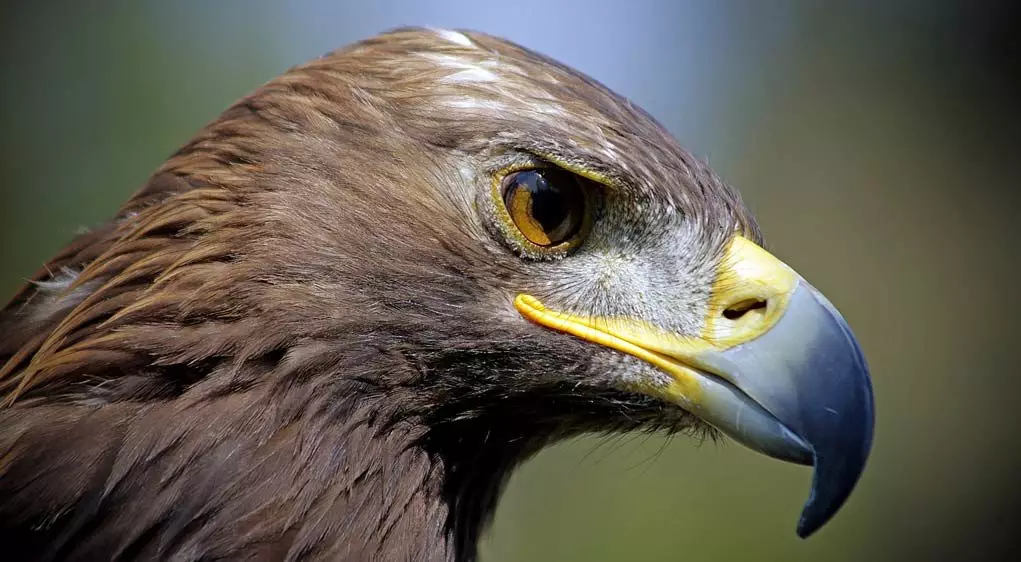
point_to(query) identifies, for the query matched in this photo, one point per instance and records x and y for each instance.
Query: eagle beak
(776, 368)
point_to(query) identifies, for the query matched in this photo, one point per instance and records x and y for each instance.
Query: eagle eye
(548, 206)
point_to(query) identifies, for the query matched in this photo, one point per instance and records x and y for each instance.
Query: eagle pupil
(546, 205)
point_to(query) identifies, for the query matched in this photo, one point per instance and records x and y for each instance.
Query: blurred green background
(876, 142)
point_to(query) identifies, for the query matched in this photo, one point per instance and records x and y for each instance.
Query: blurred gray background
(876, 142)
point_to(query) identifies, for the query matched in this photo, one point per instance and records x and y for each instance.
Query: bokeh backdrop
(876, 142)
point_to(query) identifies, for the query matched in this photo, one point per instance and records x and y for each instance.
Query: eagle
(332, 324)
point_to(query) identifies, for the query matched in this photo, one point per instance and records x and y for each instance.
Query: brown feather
(294, 341)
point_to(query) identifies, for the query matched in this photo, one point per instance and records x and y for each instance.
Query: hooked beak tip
(840, 425)
(807, 378)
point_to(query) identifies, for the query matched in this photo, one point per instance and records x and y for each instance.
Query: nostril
(738, 310)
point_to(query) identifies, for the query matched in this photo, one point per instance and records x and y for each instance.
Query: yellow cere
(747, 273)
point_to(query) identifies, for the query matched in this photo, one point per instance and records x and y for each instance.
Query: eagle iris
(547, 206)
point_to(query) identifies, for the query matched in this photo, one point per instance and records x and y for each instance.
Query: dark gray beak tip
(831, 486)
(840, 431)
(832, 483)
(836, 475)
